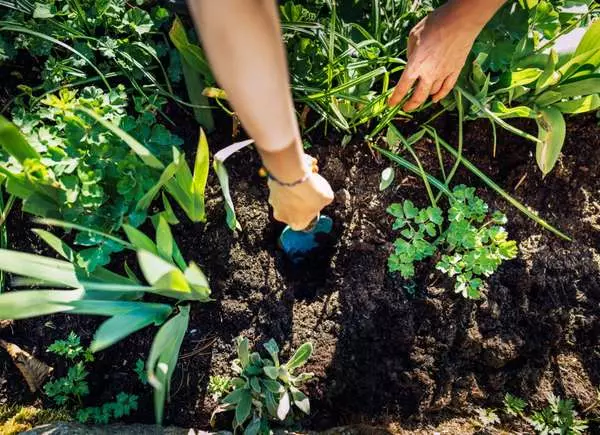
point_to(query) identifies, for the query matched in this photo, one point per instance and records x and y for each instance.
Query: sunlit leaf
(163, 357)
(552, 132)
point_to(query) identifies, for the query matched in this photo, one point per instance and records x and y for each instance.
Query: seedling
(472, 242)
(219, 386)
(264, 389)
(72, 388)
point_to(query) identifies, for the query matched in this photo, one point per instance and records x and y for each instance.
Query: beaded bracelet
(263, 172)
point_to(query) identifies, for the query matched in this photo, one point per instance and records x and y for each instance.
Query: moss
(16, 419)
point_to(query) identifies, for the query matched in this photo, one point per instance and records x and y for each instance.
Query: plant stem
(459, 106)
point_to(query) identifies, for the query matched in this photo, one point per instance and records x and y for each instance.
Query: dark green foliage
(472, 243)
(122, 407)
(70, 388)
(97, 179)
(71, 348)
(140, 371)
(111, 34)
(558, 417)
(514, 405)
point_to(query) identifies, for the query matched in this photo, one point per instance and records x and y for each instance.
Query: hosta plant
(264, 389)
(67, 287)
(472, 243)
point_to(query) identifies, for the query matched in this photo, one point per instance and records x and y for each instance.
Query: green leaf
(14, 143)
(272, 386)
(163, 358)
(552, 132)
(169, 214)
(550, 76)
(590, 40)
(513, 79)
(57, 244)
(254, 427)
(271, 371)
(254, 384)
(243, 351)
(393, 137)
(16, 305)
(243, 408)
(164, 239)
(300, 400)
(271, 404)
(139, 240)
(192, 54)
(273, 349)
(199, 283)
(300, 357)
(119, 327)
(38, 267)
(235, 396)
(200, 177)
(138, 20)
(504, 112)
(139, 149)
(195, 85)
(579, 87)
(44, 10)
(410, 211)
(387, 178)
(165, 177)
(284, 406)
(221, 171)
(580, 105)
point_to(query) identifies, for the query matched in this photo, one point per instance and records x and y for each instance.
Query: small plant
(219, 386)
(71, 348)
(264, 389)
(122, 407)
(70, 390)
(514, 405)
(473, 243)
(486, 418)
(140, 371)
(559, 417)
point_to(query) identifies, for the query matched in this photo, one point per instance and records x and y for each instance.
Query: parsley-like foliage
(472, 243)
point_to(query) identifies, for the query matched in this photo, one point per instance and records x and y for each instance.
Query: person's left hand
(438, 47)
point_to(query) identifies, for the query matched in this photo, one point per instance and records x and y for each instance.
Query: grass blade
(471, 167)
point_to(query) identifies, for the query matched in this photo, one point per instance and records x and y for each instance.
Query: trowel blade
(299, 244)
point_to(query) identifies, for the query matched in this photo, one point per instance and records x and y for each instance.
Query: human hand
(299, 205)
(438, 47)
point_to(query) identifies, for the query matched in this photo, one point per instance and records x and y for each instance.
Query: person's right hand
(299, 205)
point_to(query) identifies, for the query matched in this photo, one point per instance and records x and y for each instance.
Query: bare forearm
(474, 13)
(243, 43)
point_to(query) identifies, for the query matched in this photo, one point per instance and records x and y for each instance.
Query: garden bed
(382, 355)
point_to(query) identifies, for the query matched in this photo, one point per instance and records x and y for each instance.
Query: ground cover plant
(423, 312)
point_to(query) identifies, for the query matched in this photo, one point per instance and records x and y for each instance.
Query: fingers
(446, 88)
(419, 95)
(437, 85)
(406, 82)
(303, 224)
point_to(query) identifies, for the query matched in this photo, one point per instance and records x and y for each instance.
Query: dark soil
(381, 355)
